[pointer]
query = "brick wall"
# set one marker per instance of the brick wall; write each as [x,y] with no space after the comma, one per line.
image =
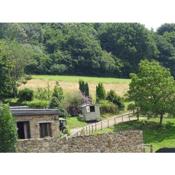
[126,141]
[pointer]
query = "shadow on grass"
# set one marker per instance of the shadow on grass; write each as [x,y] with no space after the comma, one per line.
[152,132]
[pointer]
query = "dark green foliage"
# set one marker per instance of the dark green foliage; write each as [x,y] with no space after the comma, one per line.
[8,133]
[100,92]
[114,98]
[166,28]
[108,107]
[25,95]
[111,49]
[84,88]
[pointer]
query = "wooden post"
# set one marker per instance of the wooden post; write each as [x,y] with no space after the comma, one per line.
[151,148]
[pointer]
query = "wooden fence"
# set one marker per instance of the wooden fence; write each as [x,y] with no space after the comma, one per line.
[92,128]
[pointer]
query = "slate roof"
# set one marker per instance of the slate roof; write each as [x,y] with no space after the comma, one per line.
[25,111]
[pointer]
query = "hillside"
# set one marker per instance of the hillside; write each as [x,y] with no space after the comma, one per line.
[91,49]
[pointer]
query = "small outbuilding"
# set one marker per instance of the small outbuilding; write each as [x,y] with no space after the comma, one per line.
[90,112]
[36,123]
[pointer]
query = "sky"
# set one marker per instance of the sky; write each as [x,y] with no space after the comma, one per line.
[151,13]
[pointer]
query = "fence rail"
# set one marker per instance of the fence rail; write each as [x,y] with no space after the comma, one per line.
[91,128]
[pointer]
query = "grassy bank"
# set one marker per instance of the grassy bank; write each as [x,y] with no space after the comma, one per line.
[153,134]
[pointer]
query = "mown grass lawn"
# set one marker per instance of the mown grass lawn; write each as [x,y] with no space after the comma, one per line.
[153,134]
[74,122]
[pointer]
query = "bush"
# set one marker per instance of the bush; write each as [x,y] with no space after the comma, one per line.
[37,104]
[108,107]
[8,133]
[73,102]
[25,95]
[114,98]
[100,92]
[54,103]
[28,77]
[58,92]
[43,93]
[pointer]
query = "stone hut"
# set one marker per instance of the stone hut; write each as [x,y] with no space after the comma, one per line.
[36,123]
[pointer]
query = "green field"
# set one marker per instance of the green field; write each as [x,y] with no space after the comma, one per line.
[153,134]
[77,78]
[70,83]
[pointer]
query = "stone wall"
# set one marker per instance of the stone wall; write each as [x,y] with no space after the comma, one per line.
[126,141]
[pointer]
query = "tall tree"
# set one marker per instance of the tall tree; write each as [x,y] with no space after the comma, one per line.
[153,89]
[100,92]
[8,133]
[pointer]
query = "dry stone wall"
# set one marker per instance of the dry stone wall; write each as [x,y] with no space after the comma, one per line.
[125,141]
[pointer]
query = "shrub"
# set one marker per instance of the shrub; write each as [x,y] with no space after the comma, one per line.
[8,133]
[72,103]
[108,107]
[37,104]
[84,88]
[28,77]
[114,98]
[58,92]
[54,103]
[25,95]
[100,92]
[43,93]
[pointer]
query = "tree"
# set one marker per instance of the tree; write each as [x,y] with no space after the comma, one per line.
[153,89]
[166,28]
[57,97]
[8,82]
[100,92]
[8,133]
[84,88]
[114,98]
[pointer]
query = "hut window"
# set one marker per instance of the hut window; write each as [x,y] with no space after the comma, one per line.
[92,108]
[45,130]
[23,130]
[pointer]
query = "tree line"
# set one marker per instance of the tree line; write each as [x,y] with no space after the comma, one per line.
[95,49]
